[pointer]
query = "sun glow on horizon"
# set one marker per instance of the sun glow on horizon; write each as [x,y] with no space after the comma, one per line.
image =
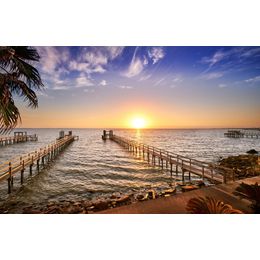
[138,123]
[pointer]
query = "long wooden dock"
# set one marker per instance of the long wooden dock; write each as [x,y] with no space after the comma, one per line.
[168,160]
[9,169]
[18,137]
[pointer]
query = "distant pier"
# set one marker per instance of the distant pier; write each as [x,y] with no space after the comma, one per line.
[166,159]
[242,133]
[9,169]
[18,137]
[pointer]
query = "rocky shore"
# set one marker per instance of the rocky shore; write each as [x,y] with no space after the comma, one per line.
[244,166]
[88,207]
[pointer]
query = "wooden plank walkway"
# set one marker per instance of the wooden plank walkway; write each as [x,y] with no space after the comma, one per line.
[183,164]
[16,165]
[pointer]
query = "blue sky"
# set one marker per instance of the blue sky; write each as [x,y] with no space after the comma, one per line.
[172,86]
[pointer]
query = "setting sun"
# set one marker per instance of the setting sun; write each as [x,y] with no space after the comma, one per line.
[138,123]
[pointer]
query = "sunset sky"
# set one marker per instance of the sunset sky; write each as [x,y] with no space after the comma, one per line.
[169,87]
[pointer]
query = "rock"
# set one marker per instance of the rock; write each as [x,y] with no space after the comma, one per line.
[252,151]
[170,191]
[146,197]
[189,188]
[151,194]
[123,199]
[140,197]
[200,184]
[91,207]
[101,205]
[113,197]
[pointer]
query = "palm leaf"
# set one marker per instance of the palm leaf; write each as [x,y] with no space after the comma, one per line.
[210,205]
[17,76]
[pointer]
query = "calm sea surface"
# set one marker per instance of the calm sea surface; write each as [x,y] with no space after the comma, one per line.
[91,168]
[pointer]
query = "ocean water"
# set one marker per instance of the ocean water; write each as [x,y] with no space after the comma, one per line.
[91,168]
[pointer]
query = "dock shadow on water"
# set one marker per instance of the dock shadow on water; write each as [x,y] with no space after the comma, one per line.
[91,169]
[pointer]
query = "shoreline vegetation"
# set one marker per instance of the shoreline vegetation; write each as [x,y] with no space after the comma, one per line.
[245,166]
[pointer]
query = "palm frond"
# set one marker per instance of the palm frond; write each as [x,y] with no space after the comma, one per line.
[9,113]
[26,71]
[26,53]
[210,205]
[17,76]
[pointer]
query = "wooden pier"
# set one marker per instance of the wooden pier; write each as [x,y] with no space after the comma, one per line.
[18,137]
[182,164]
[9,169]
[243,133]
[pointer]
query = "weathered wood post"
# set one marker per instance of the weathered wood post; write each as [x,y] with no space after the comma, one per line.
[167,160]
[31,165]
[22,170]
[182,170]
[111,134]
[203,169]
[104,136]
[177,165]
[190,169]
[10,178]
[233,175]
[225,177]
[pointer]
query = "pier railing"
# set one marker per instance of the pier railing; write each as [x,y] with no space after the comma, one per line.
[6,140]
[242,133]
[183,164]
[18,164]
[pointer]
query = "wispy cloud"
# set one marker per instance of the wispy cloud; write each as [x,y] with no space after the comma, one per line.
[159,82]
[177,79]
[212,75]
[103,83]
[145,77]
[136,66]
[222,85]
[89,90]
[83,81]
[253,80]
[51,58]
[125,87]
[216,58]
[61,87]
[156,54]
[230,58]
[95,59]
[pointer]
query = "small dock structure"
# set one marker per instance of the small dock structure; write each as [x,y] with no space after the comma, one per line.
[175,162]
[18,137]
[243,133]
[107,134]
[11,168]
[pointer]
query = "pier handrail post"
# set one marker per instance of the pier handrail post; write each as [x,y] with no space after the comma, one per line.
[10,178]
[233,174]
[224,177]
